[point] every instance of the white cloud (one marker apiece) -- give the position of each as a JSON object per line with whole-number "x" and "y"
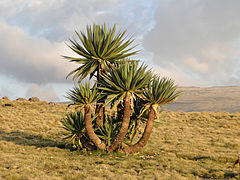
{"x": 31, "y": 59}
{"x": 200, "y": 37}
{"x": 56, "y": 20}
{"x": 52, "y": 19}
{"x": 174, "y": 72}
{"x": 33, "y": 33}
{"x": 192, "y": 63}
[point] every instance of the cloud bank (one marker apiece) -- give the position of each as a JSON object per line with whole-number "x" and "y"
{"x": 198, "y": 40}
{"x": 30, "y": 59}
{"x": 33, "y": 33}
{"x": 195, "y": 42}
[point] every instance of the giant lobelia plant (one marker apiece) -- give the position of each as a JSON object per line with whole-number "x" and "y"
{"x": 124, "y": 84}
{"x": 84, "y": 97}
{"x": 99, "y": 49}
{"x": 132, "y": 90}
{"x": 160, "y": 91}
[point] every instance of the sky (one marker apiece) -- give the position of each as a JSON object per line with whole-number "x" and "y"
{"x": 194, "y": 42}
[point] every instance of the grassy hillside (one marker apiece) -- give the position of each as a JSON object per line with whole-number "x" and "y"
{"x": 212, "y": 99}
{"x": 183, "y": 145}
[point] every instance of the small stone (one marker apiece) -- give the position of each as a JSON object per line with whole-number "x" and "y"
{"x": 34, "y": 99}
{"x": 52, "y": 103}
{"x": 21, "y": 99}
{"x": 7, "y": 104}
{"x": 15, "y": 167}
{"x": 5, "y": 97}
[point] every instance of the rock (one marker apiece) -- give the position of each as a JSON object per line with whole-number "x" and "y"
{"x": 7, "y": 104}
{"x": 21, "y": 99}
{"x": 34, "y": 99}
{"x": 5, "y": 97}
{"x": 52, "y": 103}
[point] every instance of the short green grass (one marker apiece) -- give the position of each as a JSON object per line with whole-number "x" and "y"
{"x": 193, "y": 145}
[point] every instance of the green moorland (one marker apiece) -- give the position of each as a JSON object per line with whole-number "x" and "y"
{"x": 183, "y": 145}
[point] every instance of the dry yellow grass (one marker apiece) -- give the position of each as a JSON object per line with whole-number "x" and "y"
{"x": 193, "y": 145}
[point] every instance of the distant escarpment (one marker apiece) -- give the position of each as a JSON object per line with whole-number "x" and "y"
{"x": 225, "y": 98}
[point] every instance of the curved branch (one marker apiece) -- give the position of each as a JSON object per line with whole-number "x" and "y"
{"x": 90, "y": 131}
{"x": 145, "y": 137}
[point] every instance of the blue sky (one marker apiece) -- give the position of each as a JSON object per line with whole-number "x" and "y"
{"x": 195, "y": 42}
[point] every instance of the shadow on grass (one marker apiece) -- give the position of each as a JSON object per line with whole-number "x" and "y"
{"x": 230, "y": 175}
{"x": 23, "y": 139}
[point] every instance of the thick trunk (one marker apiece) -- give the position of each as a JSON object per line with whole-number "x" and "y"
{"x": 124, "y": 128}
{"x": 145, "y": 137}
{"x": 88, "y": 145}
{"x": 88, "y": 123}
{"x": 100, "y": 110}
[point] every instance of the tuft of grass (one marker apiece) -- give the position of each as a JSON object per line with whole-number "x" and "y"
{"x": 185, "y": 145}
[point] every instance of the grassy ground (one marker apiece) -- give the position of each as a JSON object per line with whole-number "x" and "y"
{"x": 193, "y": 145}
{"x": 224, "y": 98}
